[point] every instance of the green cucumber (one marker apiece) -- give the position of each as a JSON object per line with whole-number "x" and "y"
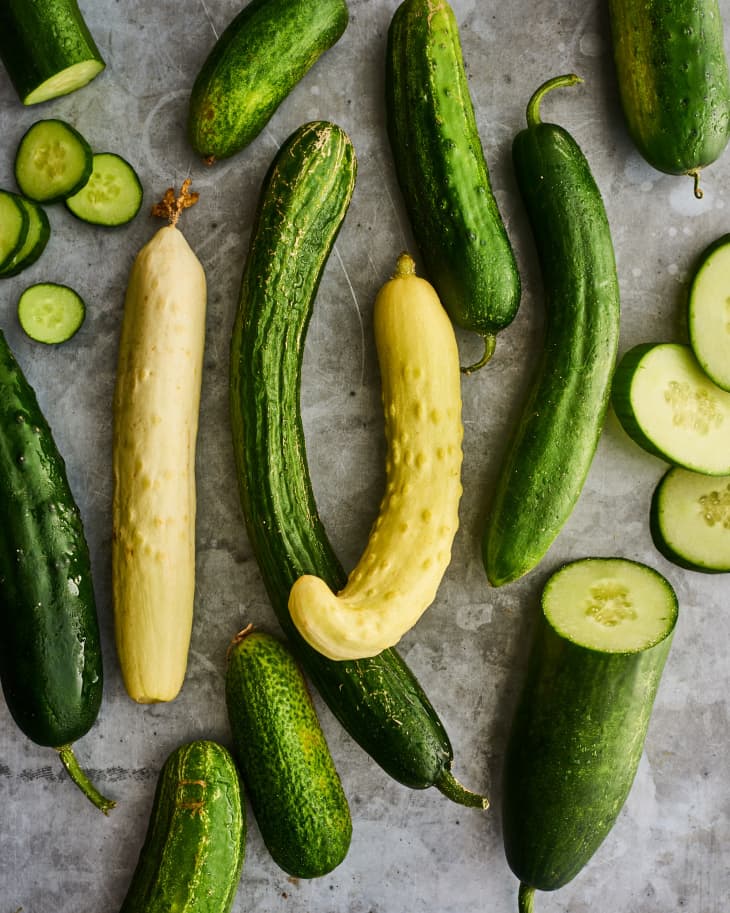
{"x": 303, "y": 202}
{"x": 193, "y": 853}
{"x": 112, "y": 195}
{"x": 50, "y": 313}
{"x": 36, "y": 238}
{"x": 443, "y": 174}
{"x": 673, "y": 81}
{"x": 47, "y": 48}
{"x": 259, "y": 58}
{"x": 690, "y": 520}
{"x": 53, "y": 161}
{"x": 50, "y": 654}
{"x": 670, "y": 407}
{"x": 541, "y": 478}
{"x": 281, "y": 751}
{"x": 709, "y": 312}
{"x": 14, "y": 224}
{"x": 579, "y": 728}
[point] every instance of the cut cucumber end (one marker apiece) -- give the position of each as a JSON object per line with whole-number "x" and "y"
{"x": 69, "y": 80}
{"x": 709, "y": 312}
{"x": 53, "y": 161}
{"x": 610, "y": 605}
{"x": 50, "y": 313}
{"x": 113, "y": 194}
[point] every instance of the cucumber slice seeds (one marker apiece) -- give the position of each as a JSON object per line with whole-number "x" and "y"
{"x": 50, "y": 313}
{"x": 53, "y": 161}
{"x": 113, "y": 194}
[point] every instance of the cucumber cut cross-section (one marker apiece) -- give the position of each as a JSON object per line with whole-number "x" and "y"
{"x": 709, "y": 312}
{"x": 13, "y": 226}
{"x": 112, "y": 195}
{"x": 50, "y": 313}
{"x": 53, "y": 161}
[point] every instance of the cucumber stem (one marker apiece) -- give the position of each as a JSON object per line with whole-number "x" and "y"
{"x": 450, "y": 787}
{"x": 699, "y": 192}
{"x": 533, "y": 106}
{"x": 490, "y": 342}
{"x": 68, "y": 758}
{"x": 526, "y": 899}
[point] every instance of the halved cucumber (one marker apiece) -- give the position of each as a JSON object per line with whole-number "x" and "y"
{"x": 50, "y": 313}
{"x": 112, "y": 195}
{"x": 669, "y": 406}
{"x": 36, "y": 238}
{"x": 690, "y": 520}
{"x": 52, "y": 162}
{"x": 709, "y": 312}
{"x": 13, "y": 226}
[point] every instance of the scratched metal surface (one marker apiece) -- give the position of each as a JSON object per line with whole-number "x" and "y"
{"x": 410, "y": 850}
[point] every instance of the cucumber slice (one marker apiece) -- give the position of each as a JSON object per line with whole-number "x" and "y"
{"x": 53, "y": 161}
{"x": 709, "y": 312}
{"x": 112, "y": 195}
{"x": 13, "y": 226}
{"x": 671, "y": 408}
{"x": 39, "y": 231}
{"x": 690, "y": 520}
{"x": 50, "y": 313}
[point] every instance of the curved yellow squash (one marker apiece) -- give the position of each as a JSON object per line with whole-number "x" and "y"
{"x": 410, "y": 544}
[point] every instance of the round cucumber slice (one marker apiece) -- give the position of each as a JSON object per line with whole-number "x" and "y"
{"x": 709, "y": 312}
{"x": 13, "y": 226}
{"x": 53, "y": 161}
{"x": 671, "y": 408}
{"x": 39, "y": 231}
{"x": 50, "y": 313}
{"x": 690, "y": 520}
{"x": 113, "y": 194}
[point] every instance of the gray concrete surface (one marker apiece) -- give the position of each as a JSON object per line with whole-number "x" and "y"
{"x": 411, "y": 851}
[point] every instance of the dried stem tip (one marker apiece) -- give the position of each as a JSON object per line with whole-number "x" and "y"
{"x": 171, "y": 206}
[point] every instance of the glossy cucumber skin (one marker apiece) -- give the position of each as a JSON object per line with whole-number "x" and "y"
{"x": 572, "y": 754}
{"x": 290, "y": 777}
{"x": 304, "y": 199}
{"x": 193, "y": 852}
{"x": 50, "y": 655}
{"x": 442, "y": 170}
{"x": 673, "y": 80}
{"x": 557, "y": 434}
{"x": 254, "y": 65}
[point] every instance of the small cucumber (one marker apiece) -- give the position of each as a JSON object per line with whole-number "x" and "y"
{"x": 287, "y": 768}
{"x": 193, "y": 853}
{"x": 53, "y": 161}
{"x": 709, "y": 312}
{"x": 667, "y": 405}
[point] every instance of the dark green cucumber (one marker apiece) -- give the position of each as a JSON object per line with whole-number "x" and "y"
{"x": 443, "y": 174}
{"x": 579, "y": 728}
{"x": 254, "y": 65}
{"x": 46, "y": 48}
{"x": 50, "y": 655}
{"x": 303, "y": 202}
{"x": 673, "y": 81}
{"x": 290, "y": 777}
{"x": 557, "y": 434}
{"x": 193, "y": 852}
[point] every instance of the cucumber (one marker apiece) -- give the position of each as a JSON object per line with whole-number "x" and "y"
{"x": 50, "y": 313}
{"x": 281, "y": 751}
{"x": 709, "y": 312}
{"x": 112, "y": 195}
{"x": 47, "y": 48}
{"x": 443, "y": 174}
{"x": 690, "y": 520}
{"x": 579, "y": 728}
{"x": 36, "y": 238}
{"x": 541, "y": 479}
{"x": 193, "y": 853}
{"x": 14, "y": 224}
{"x": 50, "y": 654}
{"x": 53, "y": 161}
{"x": 667, "y": 404}
{"x": 259, "y": 58}
{"x": 673, "y": 81}
{"x": 302, "y": 204}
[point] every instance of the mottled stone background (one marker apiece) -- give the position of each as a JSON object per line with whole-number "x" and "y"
{"x": 411, "y": 850}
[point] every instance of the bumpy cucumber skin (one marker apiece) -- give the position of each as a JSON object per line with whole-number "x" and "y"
{"x": 304, "y": 199}
{"x": 561, "y": 421}
{"x": 574, "y": 747}
{"x": 193, "y": 852}
{"x": 442, "y": 171}
{"x": 290, "y": 777}
{"x": 50, "y": 656}
{"x": 673, "y": 80}
{"x": 254, "y": 65}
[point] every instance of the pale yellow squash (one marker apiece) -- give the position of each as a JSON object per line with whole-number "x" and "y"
{"x": 156, "y": 404}
{"x": 410, "y": 544}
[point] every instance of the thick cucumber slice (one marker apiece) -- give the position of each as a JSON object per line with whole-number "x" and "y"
{"x": 690, "y": 520}
{"x": 53, "y": 161}
{"x": 50, "y": 313}
{"x": 13, "y": 226}
{"x": 112, "y": 195}
{"x": 36, "y": 238}
{"x": 669, "y": 406}
{"x": 709, "y": 312}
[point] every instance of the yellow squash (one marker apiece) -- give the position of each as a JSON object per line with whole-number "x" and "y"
{"x": 409, "y": 547}
{"x": 156, "y": 404}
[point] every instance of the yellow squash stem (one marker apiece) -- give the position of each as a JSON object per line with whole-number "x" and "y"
{"x": 68, "y": 759}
